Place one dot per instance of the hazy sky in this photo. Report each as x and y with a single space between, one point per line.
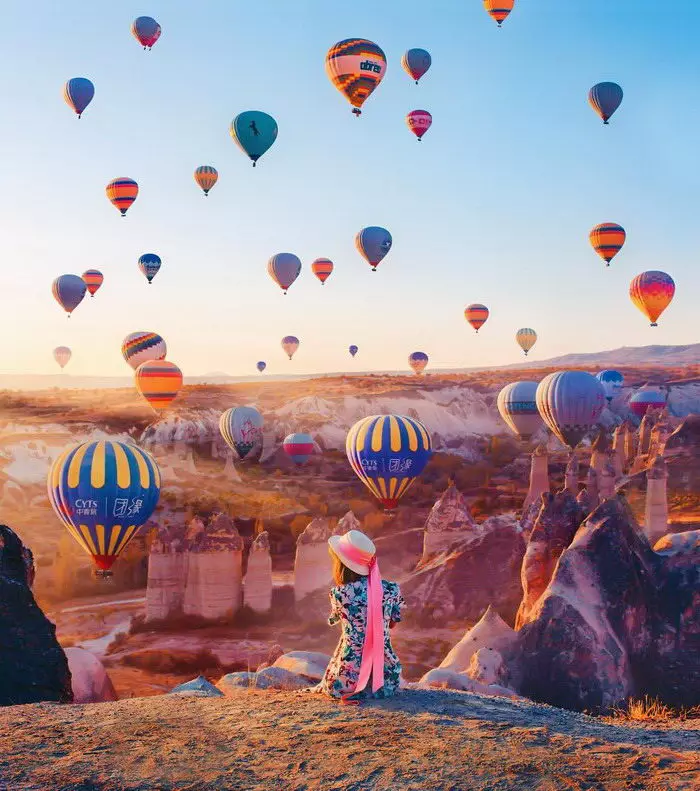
493 206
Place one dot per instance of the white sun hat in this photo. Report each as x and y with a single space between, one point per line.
355 550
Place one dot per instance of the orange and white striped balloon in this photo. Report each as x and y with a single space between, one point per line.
159 382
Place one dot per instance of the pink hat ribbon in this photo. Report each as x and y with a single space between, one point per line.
373 648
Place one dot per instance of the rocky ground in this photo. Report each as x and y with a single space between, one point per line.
420 740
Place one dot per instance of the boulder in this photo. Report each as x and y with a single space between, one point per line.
487 667
199 687
449 520
672 543
90 681
490 632
310 664
448 679
269 678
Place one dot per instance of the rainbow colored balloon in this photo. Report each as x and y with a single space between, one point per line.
103 491
388 453
298 447
78 94
652 293
498 10
146 31
416 63
206 177
322 268
142 347
284 269
605 98
122 192
93 280
373 243
68 291
645 399
607 240
418 361
149 265
356 67
526 338
159 382
476 314
419 121
517 406
290 344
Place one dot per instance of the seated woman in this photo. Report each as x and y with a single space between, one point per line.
364 663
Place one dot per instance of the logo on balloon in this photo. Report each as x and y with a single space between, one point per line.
367 65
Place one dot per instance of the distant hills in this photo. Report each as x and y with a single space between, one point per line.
626 355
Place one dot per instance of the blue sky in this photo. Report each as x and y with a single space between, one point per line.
493 206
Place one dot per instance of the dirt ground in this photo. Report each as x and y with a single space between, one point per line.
298 741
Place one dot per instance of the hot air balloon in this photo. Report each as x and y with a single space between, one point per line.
93 280
518 407
419 121
476 314
605 98
149 264
416 62
612 382
78 94
607 240
298 447
103 491
388 453
353 350
418 361
356 67
206 176
146 31
284 269
290 344
526 339
322 268
498 10
645 399
570 403
142 347
62 355
652 293
373 243
254 132
68 291
261 366
241 427
158 381
122 193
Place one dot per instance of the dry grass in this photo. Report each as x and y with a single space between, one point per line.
648 709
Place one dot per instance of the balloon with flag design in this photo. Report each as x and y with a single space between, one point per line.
78 94
652 293
356 66
93 280
159 382
322 268
388 453
416 62
103 491
206 176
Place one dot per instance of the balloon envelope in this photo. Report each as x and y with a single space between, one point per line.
652 293
78 94
353 350
570 403
645 399
612 382
254 132
518 407
388 453
68 291
93 280
206 176
356 67
526 338
605 98
146 31
498 10
284 269
241 428
476 314
122 193
419 121
298 447
261 366
103 491
607 240
149 264
62 355
373 243
322 268
141 347
418 361
290 344
416 62
158 381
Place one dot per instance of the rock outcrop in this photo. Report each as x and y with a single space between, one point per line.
199 687
490 632
33 666
449 521
312 564
90 681
571 475
621 448
309 664
257 590
347 523
656 509
672 543
539 476
269 678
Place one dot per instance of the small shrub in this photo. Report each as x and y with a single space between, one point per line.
647 709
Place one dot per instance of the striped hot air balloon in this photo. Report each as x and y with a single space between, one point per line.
103 491
241 428
416 63
78 94
419 121
142 347
298 447
518 407
476 314
68 291
498 10
607 240
93 280
290 344
284 269
122 193
388 453
418 361
570 403
526 339
62 355
356 67
645 399
146 31
159 382
322 268
373 243
605 98
652 293
206 176
149 264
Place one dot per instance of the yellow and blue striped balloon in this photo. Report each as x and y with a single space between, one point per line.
103 491
388 453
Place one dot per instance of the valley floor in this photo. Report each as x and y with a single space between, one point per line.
442 741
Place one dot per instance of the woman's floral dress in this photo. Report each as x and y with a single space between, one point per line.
349 606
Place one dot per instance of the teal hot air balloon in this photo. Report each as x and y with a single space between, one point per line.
78 94
570 403
605 98
241 428
373 243
254 132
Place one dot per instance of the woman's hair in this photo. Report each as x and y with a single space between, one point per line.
342 575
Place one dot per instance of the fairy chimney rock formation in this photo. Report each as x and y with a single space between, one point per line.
656 510
620 447
449 520
347 523
607 478
167 572
645 428
230 473
491 631
257 591
312 564
599 451
592 488
539 476
571 477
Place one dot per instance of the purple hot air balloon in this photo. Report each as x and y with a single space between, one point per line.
418 361
261 366
605 98
416 62
373 244
78 94
68 291
353 350
284 269
570 403
290 344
